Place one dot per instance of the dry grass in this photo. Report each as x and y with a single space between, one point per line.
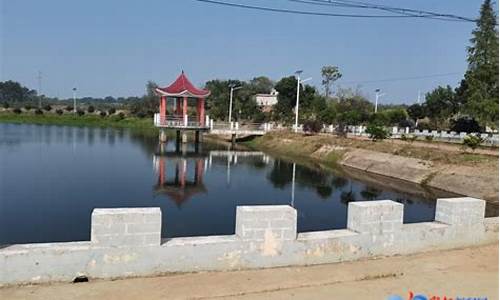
301 145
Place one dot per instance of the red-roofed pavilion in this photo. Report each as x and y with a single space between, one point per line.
177 116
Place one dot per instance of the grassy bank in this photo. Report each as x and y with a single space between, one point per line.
328 148
74 120
298 146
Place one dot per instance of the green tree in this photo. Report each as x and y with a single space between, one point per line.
11 91
415 112
440 105
287 88
261 85
145 106
479 89
330 74
396 115
353 110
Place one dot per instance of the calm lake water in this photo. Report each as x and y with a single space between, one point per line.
52 177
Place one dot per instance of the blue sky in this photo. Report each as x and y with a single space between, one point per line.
113 47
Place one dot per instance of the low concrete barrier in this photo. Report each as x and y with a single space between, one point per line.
126 242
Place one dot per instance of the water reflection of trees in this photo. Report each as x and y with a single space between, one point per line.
370 193
322 182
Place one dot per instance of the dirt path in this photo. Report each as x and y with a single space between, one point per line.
471 272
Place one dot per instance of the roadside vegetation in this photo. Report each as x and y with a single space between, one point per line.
472 106
93 120
319 145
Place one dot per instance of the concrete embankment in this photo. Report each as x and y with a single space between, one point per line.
478 180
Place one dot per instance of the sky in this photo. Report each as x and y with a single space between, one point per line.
113 47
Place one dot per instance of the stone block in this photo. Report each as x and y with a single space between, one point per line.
126 227
255 222
464 211
378 217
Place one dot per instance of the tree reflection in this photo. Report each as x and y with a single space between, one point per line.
339 182
319 181
370 193
281 174
324 191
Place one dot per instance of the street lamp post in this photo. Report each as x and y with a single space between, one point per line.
233 88
74 100
377 96
299 82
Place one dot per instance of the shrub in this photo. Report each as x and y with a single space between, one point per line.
38 112
69 108
409 138
17 110
112 111
120 116
377 132
90 109
59 111
103 114
5 105
80 112
424 126
472 141
28 107
407 123
312 126
47 107
465 124
429 138
141 115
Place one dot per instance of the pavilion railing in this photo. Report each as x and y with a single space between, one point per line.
177 122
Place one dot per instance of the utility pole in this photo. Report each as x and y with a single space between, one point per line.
233 88
74 100
39 77
299 82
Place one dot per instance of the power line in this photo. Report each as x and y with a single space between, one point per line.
402 78
401 12
290 11
398 10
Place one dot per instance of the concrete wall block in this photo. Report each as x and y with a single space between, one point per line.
109 228
464 211
253 222
384 216
124 227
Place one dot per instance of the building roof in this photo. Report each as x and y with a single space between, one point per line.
182 87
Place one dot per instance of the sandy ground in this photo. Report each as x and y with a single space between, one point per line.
470 272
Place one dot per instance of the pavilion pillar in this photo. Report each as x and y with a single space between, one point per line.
163 108
185 110
161 171
199 171
178 106
201 112
183 173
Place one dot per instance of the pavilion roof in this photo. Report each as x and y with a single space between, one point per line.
182 87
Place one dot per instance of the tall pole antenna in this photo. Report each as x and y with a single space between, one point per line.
39 77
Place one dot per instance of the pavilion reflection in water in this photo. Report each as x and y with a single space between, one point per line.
180 172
